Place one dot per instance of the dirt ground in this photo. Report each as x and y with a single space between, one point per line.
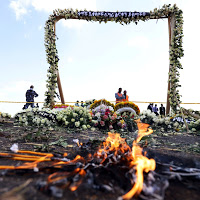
180 149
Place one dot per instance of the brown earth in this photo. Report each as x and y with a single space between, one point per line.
180 149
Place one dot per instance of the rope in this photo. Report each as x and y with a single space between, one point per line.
84 102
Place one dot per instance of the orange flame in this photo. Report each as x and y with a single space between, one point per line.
140 162
114 144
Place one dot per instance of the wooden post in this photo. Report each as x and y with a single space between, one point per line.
58 76
60 88
168 88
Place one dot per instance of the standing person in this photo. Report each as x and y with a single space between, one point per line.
162 110
126 97
30 94
82 105
77 103
119 97
150 107
155 109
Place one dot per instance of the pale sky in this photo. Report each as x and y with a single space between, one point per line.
95 59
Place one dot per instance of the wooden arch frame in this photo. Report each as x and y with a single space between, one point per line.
172 13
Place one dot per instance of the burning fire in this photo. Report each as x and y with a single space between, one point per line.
140 162
114 148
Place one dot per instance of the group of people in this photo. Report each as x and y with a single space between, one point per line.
155 109
30 94
121 97
77 103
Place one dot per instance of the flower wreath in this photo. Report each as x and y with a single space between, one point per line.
101 101
127 106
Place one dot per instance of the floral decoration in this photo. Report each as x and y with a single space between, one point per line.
100 102
176 49
128 104
75 117
35 117
104 118
4 115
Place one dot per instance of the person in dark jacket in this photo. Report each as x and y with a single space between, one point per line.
150 107
30 94
162 110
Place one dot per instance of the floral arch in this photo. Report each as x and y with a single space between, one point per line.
175 23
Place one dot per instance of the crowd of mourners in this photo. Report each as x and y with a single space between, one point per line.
154 109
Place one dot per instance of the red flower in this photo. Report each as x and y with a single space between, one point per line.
102 123
105 117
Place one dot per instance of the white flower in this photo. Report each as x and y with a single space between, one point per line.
59 117
75 114
169 126
3 114
72 120
38 121
66 123
162 120
152 115
93 129
64 119
98 114
76 141
176 124
142 117
81 119
76 108
88 126
148 112
48 122
167 122
14 148
77 124
155 119
84 127
167 118
43 121
193 129
85 109
35 169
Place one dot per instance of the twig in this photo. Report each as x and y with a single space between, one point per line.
169 149
182 174
34 144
